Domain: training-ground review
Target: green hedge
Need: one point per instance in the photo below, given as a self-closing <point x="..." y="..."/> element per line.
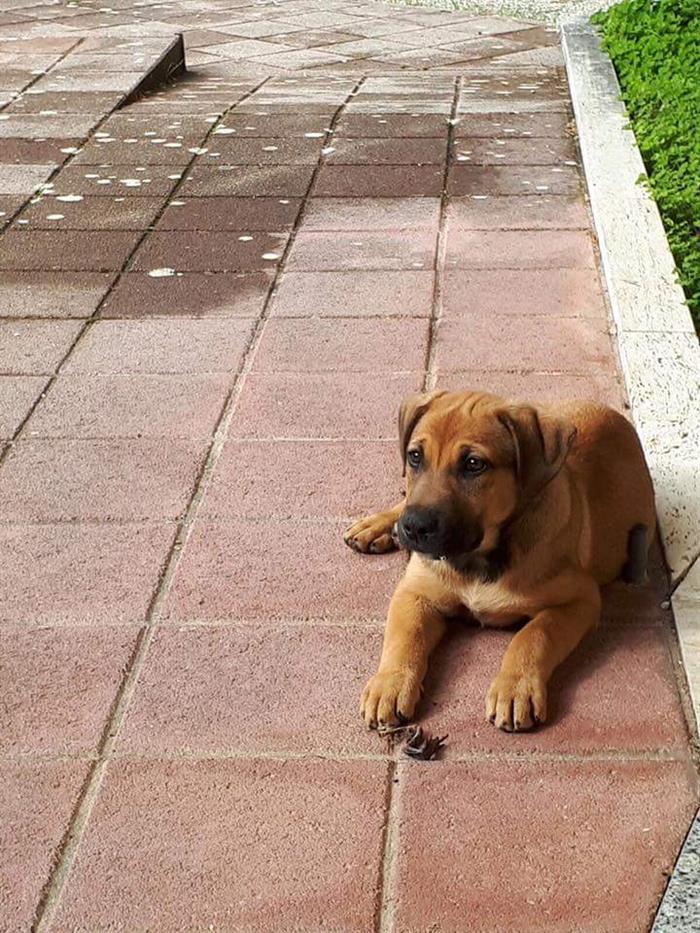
<point x="655" y="47"/>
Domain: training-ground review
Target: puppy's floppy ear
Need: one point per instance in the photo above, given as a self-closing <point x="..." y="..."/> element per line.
<point x="541" y="444"/>
<point x="412" y="410"/>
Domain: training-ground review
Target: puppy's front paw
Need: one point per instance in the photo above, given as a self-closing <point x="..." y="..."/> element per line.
<point x="516" y="702"/>
<point x="389" y="699"/>
<point x="372" y="535"/>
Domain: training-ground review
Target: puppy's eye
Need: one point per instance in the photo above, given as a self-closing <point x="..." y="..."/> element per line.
<point x="474" y="465"/>
<point x="414" y="458"/>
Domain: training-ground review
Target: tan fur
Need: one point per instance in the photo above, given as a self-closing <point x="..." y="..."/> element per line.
<point x="569" y="482"/>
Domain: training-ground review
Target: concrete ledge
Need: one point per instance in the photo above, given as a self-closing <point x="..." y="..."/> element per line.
<point x="657" y="343"/>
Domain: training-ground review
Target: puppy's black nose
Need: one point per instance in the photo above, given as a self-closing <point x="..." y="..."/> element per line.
<point x="421" y="528"/>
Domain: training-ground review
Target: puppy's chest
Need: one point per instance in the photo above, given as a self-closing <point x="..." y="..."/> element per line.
<point x="492" y="604"/>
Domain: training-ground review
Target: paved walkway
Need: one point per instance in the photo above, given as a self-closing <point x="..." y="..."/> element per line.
<point x="207" y="323"/>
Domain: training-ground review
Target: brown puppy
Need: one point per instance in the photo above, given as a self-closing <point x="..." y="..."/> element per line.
<point x="513" y="512"/>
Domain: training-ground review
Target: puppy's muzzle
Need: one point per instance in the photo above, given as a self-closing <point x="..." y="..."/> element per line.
<point x="423" y="530"/>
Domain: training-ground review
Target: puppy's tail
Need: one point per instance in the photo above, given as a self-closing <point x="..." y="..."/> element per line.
<point x="636" y="565"/>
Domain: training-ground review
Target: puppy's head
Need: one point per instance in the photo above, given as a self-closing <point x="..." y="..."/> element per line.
<point x="472" y="462"/>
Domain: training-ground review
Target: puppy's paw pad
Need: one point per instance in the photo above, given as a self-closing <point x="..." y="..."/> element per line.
<point x="389" y="699"/>
<point x="517" y="702"/>
<point x="371" y="535"/>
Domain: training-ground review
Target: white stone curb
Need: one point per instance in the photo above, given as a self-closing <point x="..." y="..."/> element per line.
<point x="657" y="343"/>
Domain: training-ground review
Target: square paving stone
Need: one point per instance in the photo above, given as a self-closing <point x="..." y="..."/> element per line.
<point x="272" y="125"/>
<point x="116" y="180"/>
<point x="188" y="129"/>
<point x="555" y="292"/>
<point x="36" y="807"/>
<point x="617" y="691"/>
<point x="17" y="395"/>
<point x="52" y="294"/>
<point x="121" y="155"/>
<point x="371" y="214"/>
<point x="557" y="842"/>
<point x="330" y="345"/>
<point x="354" y="294"/>
<point x="510" y="151"/>
<point x="470" y="180"/>
<point x="9" y="205"/>
<point x="264" y="570"/>
<point x="332" y="479"/>
<point x="23" y="179"/>
<point x="217" y="251"/>
<point x="270" y="830"/>
<point x="42" y="126"/>
<point x="108" y="480"/>
<point x="321" y="405"/>
<point x="523" y="212"/>
<point x="380" y="181"/>
<point x="283" y="181"/>
<point x="520" y="249"/>
<point x="228" y="150"/>
<point x="205" y="689"/>
<point x="518" y="343"/>
<point x="97" y="406"/>
<point x="517" y="125"/>
<point x="66" y="250"/>
<point x="161" y="346"/>
<point x="397" y="125"/>
<point x="598" y="386"/>
<point x="89" y="573"/>
<point x="222" y="213"/>
<point x="43" y="711"/>
<point x="91" y="213"/>
<point x="193" y="294"/>
<point x="47" y="152"/>
<point x="363" y="250"/>
<point x="387" y="151"/>
<point x="53" y="103"/>
<point x="34" y="347"/>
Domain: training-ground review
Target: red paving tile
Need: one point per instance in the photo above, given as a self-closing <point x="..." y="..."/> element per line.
<point x="526" y="292"/>
<point x="332" y="345"/>
<point x="17" y="395"/>
<point x="206" y="689"/>
<point x="126" y="480"/>
<point x="36" y="807"/>
<point x="161" y="346"/>
<point x="196" y="294"/>
<point x="616" y="692"/>
<point x="515" y="125"/>
<point x="354" y="293"/>
<point x="188" y="251"/>
<point x="92" y="213"/>
<point x="279" y="181"/>
<point x="326" y="405"/>
<point x="519" y="249"/>
<point x="231" y="842"/>
<point x="90" y="573"/>
<point x="148" y="405"/>
<point x="519" y="343"/>
<point x="59" y="685"/>
<point x="59" y="250"/>
<point x="362" y="249"/>
<point x="565" y="846"/>
<point x="379" y="181"/>
<point x="34" y="347"/>
<point x="253" y="479"/>
<point x="523" y="212"/>
<point x="372" y="214"/>
<point x="473" y="180"/>
<point x="52" y="294"/>
<point x="262" y="570"/>
<point x="600" y="386"/>
<point x="222" y="213"/>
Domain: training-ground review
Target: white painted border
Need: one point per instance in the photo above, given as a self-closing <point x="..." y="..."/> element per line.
<point x="657" y="343"/>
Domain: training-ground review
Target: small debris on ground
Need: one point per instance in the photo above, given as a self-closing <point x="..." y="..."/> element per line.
<point x="419" y="744"/>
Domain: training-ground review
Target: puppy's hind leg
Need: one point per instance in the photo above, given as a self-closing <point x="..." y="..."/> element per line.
<point x="373" y="534"/>
<point x="635" y="568"/>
